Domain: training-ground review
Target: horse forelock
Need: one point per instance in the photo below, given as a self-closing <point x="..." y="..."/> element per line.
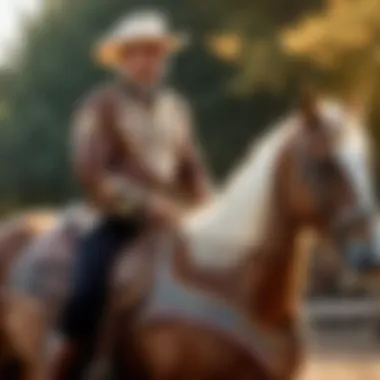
<point x="225" y="231"/>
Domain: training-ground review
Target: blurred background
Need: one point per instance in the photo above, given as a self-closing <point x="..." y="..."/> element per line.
<point x="243" y="70"/>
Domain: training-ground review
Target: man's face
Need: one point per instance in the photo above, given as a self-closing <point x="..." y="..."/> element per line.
<point x="145" y="63"/>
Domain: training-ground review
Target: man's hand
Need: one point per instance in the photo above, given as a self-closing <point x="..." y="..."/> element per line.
<point x="123" y="195"/>
<point x="162" y="210"/>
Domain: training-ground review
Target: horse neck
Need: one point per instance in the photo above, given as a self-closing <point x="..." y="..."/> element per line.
<point x="274" y="293"/>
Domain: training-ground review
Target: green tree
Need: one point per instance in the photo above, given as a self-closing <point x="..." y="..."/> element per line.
<point x="341" y="46"/>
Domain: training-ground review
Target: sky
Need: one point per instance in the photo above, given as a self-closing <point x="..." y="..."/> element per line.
<point x="10" y="11"/>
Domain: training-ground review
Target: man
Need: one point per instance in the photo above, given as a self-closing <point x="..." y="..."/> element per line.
<point x="132" y="151"/>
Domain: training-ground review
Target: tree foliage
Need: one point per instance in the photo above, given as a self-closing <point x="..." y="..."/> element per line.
<point x="341" y="44"/>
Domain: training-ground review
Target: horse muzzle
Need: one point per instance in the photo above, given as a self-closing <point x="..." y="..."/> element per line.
<point x="360" y="241"/>
<point x="360" y="256"/>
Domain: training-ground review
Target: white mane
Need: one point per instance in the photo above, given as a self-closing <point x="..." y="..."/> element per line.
<point x="222" y="233"/>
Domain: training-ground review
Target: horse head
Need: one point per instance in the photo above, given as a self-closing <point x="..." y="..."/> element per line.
<point x="330" y="176"/>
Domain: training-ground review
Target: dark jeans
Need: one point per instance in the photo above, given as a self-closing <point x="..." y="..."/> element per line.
<point x="95" y="257"/>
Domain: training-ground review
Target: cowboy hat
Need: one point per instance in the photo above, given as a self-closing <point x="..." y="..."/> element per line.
<point x="137" y="28"/>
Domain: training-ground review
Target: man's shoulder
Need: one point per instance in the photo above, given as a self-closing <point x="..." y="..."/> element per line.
<point x="98" y="96"/>
<point x="93" y="108"/>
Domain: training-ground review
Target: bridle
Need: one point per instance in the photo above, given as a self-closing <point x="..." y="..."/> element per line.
<point x="312" y="172"/>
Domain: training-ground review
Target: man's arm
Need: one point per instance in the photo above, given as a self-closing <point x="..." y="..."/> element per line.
<point x="111" y="191"/>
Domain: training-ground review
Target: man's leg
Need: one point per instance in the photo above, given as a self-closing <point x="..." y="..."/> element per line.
<point x="83" y="312"/>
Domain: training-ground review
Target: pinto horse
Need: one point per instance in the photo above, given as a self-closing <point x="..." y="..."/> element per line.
<point x="16" y="233"/>
<point x="35" y="247"/>
<point x="218" y="297"/>
<point x="224" y="296"/>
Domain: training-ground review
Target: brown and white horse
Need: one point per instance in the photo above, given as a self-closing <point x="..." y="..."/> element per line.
<point x="221" y="300"/>
<point x="16" y="233"/>
<point x="35" y="256"/>
<point x="224" y="300"/>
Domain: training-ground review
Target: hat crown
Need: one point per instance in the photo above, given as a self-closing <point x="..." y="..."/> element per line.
<point x="139" y="27"/>
<point x="143" y="23"/>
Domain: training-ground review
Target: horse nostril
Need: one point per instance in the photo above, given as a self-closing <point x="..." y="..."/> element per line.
<point x="368" y="263"/>
<point x="375" y="260"/>
<point x="358" y="255"/>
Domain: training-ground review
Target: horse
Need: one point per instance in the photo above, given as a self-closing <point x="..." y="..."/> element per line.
<point x="218" y="295"/>
<point x="225" y="294"/>
<point x="27" y="242"/>
<point x="17" y="232"/>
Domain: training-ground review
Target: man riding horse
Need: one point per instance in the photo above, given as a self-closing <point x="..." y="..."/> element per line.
<point x="133" y="153"/>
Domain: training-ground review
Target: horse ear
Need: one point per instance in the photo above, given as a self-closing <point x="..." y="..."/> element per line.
<point x="358" y="104"/>
<point x="309" y="107"/>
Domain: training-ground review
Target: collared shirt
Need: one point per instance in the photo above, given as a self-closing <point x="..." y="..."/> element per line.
<point x="158" y="130"/>
<point x="129" y="144"/>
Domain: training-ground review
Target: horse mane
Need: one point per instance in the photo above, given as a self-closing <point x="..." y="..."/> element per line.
<point x="221" y="232"/>
<point x="224" y="231"/>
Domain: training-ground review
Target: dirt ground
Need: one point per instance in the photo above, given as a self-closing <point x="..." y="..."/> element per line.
<point x="366" y="367"/>
<point x="347" y="349"/>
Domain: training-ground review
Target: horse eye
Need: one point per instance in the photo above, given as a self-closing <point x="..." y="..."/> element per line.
<point x="326" y="169"/>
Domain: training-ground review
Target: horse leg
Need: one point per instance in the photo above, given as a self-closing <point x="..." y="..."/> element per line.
<point x="10" y="366"/>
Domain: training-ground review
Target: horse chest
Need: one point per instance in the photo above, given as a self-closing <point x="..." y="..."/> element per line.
<point x="170" y="298"/>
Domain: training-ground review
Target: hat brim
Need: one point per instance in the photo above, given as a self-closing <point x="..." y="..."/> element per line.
<point x="109" y="52"/>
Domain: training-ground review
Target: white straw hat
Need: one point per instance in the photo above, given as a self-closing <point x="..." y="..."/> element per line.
<point x="142" y="27"/>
